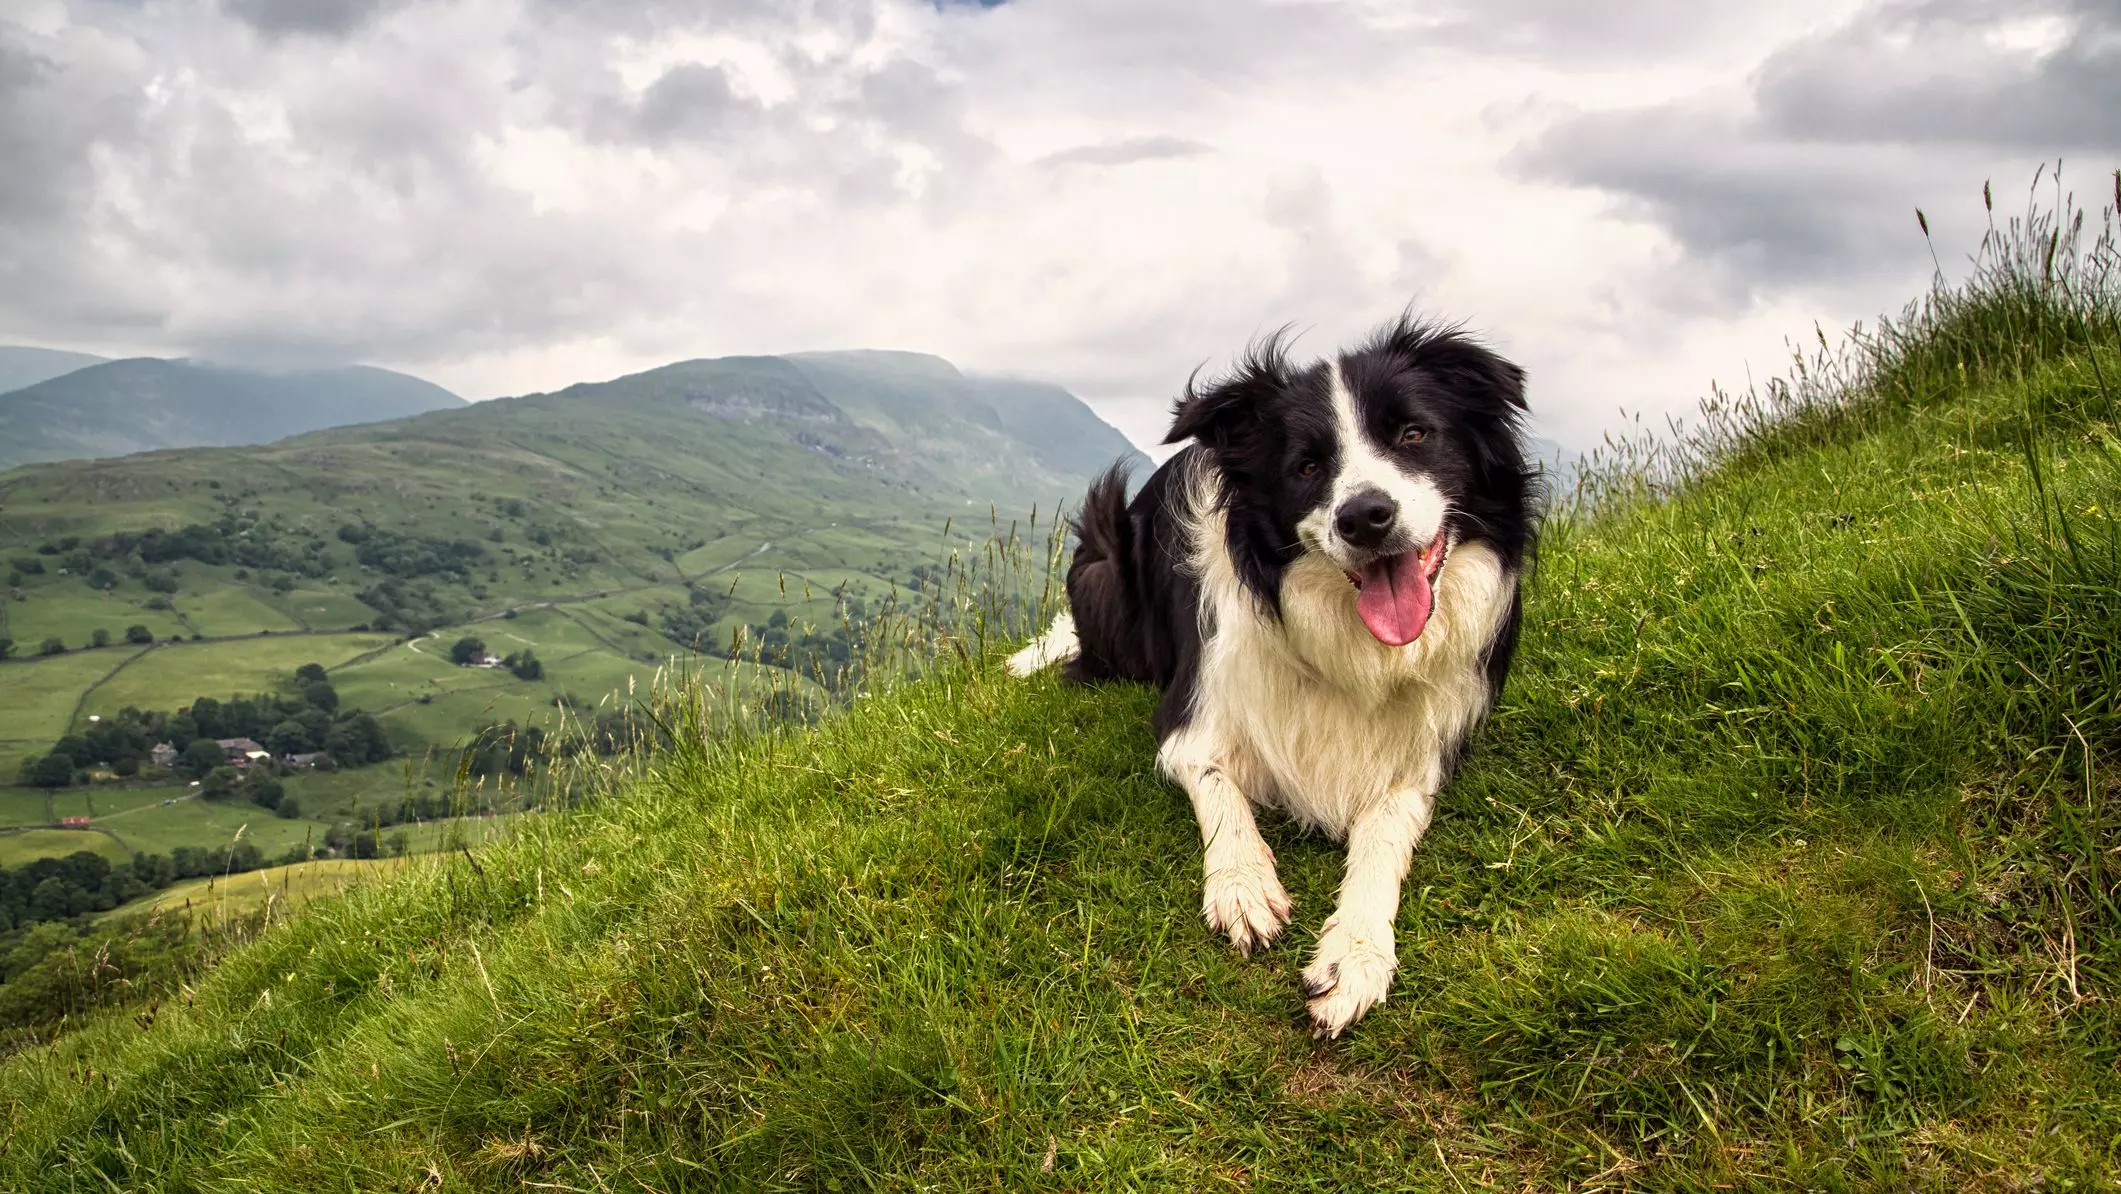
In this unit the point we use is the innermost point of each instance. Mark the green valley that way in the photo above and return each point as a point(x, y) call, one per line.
point(605, 531)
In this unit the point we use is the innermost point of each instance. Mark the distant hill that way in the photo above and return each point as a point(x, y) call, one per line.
point(115, 408)
point(27, 366)
point(608, 526)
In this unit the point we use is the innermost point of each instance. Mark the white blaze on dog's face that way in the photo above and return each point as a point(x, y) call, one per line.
point(1382, 517)
point(1378, 463)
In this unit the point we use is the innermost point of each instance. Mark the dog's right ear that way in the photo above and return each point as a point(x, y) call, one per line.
point(1230, 405)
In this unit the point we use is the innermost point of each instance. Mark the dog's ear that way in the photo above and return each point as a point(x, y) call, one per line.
point(1213, 415)
point(1229, 406)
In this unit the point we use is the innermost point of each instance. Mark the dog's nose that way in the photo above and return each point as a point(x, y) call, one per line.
point(1366, 519)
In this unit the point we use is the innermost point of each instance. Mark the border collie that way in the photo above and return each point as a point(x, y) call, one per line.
point(1324, 584)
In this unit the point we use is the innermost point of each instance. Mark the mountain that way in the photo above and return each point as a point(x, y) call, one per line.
point(114, 408)
point(21, 366)
point(607, 526)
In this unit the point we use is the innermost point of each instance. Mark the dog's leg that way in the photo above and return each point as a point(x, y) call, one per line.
point(1353, 966)
point(1057, 645)
point(1240, 895)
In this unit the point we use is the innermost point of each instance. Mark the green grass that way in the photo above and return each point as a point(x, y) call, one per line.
point(228, 897)
point(70, 611)
point(174, 674)
point(37, 696)
point(207, 824)
point(234, 609)
point(28, 845)
point(1787, 861)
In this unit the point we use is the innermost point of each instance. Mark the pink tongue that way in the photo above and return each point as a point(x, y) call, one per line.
point(1395, 598)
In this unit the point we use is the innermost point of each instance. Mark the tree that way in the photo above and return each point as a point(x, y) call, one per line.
point(265, 791)
point(466, 649)
point(289, 737)
point(51, 771)
point(311, 673)
point(52, 646)
point(320, 694)
point(102, 578)
point(201, 757)
point(288, 807)
point(7, 647)
point(525, 665)
point(99, 637)
point(139, 634)
point(218, 783)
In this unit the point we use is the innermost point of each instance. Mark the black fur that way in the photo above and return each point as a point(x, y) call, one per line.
point(1138, 611)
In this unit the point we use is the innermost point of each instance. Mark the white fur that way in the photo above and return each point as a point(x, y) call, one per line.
point(1313, 715)
point(1057, 645)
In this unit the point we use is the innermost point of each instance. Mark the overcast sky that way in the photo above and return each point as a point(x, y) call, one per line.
point(1631, 199)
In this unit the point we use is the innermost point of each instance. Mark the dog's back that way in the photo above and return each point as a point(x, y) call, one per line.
point(1133, 606)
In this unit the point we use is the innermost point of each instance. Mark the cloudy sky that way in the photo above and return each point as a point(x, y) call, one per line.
point(511, 195)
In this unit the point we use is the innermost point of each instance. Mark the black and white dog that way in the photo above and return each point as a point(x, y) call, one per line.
point(1325, 586)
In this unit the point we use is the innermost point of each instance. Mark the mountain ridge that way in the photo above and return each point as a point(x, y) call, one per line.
point(116, 408)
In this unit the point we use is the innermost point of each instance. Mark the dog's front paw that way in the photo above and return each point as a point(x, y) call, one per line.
point(1246, 901)
point(1349, 975)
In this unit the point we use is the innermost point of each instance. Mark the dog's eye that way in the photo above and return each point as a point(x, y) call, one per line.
point(1410, 434)
point(1308, 468)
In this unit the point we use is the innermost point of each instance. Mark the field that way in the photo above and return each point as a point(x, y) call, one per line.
point(291, 886)
point(28, 845)
point(1784, 863)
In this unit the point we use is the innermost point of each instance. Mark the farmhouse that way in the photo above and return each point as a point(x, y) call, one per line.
point(162, 754)
point(242, 751)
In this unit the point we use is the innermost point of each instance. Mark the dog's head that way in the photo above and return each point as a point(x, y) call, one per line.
point(1381, 461)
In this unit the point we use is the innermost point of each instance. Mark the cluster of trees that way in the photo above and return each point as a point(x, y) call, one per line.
point(692, 625)
point(524, 663)
point(83, 882)
point(231, 539)
point(504, 748)
point(413, 607)
point(409, 557)
point(305, 718)
point(136, 634)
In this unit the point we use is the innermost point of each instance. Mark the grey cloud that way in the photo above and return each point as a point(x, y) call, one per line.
point(1127, 151)
point(321, 17)
point(1844, 135)
point(691, 101)
point(1933, 73)
point(1639, 30)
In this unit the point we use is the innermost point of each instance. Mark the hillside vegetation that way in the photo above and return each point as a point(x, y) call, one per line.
point(604, 529)
point(1788, 861)
point(111, 408)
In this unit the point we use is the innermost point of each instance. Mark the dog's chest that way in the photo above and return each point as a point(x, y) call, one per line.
point(1312, 715)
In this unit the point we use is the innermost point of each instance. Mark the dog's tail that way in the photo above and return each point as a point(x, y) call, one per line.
point(1104, 537)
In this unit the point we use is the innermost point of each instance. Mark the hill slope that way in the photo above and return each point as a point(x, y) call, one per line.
point(21, 366)
point(1786, 862)
point(138, 405)
point(607, 527)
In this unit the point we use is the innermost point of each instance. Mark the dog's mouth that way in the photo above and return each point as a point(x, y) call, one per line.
point(1395, 594)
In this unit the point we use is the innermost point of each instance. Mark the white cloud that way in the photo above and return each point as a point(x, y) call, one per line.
point(511, 195)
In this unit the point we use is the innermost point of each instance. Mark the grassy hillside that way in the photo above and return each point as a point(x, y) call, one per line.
point(607, 528)
point(138, 405)
point(1786, 862)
